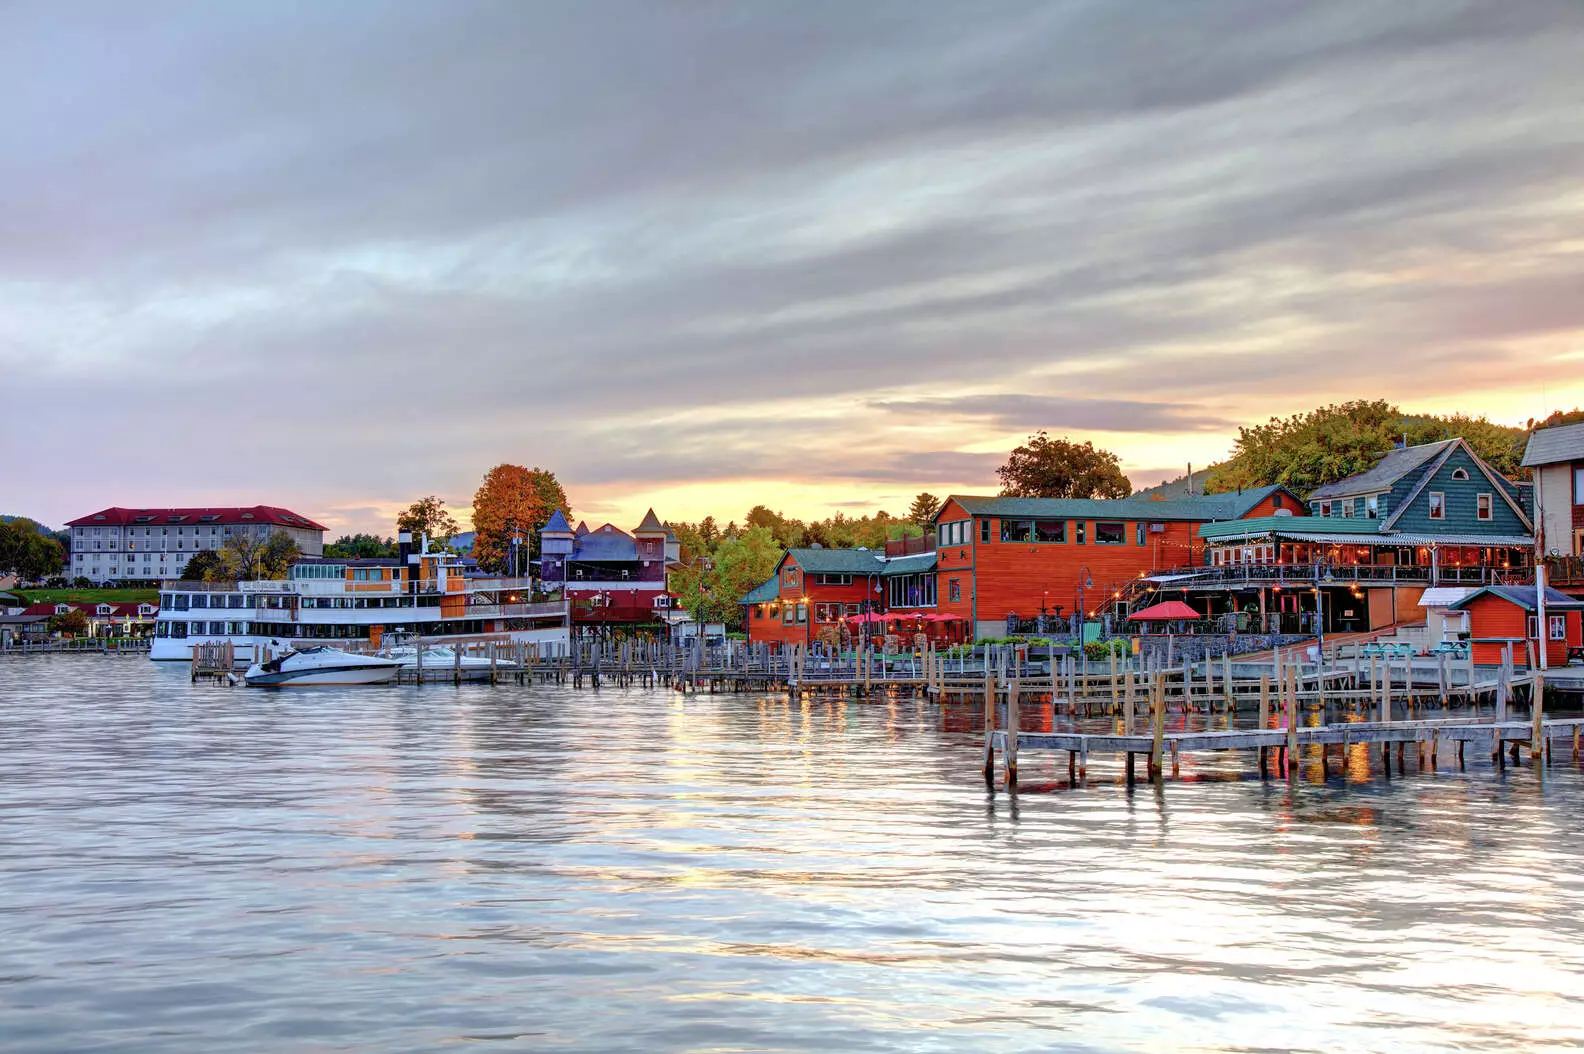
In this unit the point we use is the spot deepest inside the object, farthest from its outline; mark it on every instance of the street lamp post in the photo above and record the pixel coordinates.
(1086, 582)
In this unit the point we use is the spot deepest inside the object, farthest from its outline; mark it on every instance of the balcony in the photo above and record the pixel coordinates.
(1253, 576)
(1565, 570)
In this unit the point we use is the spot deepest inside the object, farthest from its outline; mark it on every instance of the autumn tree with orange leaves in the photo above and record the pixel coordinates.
(514, 500)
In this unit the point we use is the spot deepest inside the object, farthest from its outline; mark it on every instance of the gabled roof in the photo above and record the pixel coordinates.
(837, 561)
(651, 524)
(607, 543)
(762, 593)
(1490, 474)
(1524, 597)
(1547, 446)
(1385, 473)
(1229, 506)
(557, 522)
(115, 516)
(582, 529)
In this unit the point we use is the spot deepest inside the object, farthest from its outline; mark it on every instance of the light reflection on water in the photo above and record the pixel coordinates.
(208, 869)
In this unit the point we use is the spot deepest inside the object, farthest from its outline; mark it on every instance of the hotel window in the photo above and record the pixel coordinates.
(1017, 530)
(954, 589)
(1484, 505)
(1437, 505)
(1107, 533)
(984, 531)
(1050, 530)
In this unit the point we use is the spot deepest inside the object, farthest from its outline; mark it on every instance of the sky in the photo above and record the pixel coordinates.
(815, 255)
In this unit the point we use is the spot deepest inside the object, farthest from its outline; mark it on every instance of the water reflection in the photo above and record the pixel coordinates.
(196, 868)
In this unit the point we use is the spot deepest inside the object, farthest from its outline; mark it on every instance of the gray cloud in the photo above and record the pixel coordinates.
(377, 248)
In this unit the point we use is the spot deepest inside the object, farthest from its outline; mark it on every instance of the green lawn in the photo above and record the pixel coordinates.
(89, 596)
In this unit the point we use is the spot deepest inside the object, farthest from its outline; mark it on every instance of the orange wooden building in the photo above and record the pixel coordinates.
(1029, 556)
(1500, 614)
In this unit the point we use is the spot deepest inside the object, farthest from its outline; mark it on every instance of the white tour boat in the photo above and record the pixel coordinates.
(320, 665)
(363, 604)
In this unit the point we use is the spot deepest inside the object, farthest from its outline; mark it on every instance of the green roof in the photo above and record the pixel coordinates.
(909, 565)
(762, 593)
(1228, 506)
(838, 561)
(1290, 526)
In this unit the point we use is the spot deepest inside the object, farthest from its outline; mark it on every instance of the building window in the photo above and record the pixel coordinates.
(1276, 500)
(1557, 624)
(1081, 528)
(833, 580)
(1373, 505)
(1140, 527)
(1347, 508)
(1460, 473)
(954, 590)
(802, 614)
(1578, 485)
(1017, 530)
(1325, 508)
(1437, 505)
(1050, 531)
(1484, 506)
(1109, 533)
(984, 531)
(758, 610)
(788, 614)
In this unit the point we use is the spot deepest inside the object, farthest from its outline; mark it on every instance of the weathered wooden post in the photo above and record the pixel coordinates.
(1537, 744)
(1115, 684)
(1010, 751)
(1127, 703)
(1157, 732)
(1292, 727)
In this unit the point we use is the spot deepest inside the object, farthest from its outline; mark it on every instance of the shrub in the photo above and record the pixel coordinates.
(1099, 649)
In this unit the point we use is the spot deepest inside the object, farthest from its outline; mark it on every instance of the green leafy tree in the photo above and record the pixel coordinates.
(922, 511)
(205, 566)
(27, 551)
(788, 533)
(245, 558)
(1333, 442)
(72, 623)
(429, 517)
(361, 547)
(1059, 468)
(1559, 417)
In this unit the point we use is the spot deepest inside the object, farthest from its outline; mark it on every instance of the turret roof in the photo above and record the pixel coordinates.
(557, 522)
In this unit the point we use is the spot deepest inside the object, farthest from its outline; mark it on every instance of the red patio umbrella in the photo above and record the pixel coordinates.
(1164, 612)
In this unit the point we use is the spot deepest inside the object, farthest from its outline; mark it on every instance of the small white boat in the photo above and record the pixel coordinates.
(320, 665)
(442, 658)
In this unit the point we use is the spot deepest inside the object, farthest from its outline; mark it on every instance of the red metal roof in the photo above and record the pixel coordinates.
(119, 609)
(116, 516)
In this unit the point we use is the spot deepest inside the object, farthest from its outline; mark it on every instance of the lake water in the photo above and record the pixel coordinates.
(190, 868)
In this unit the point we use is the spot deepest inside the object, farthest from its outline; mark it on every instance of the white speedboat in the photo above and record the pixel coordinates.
(322, 665)
(442, 658)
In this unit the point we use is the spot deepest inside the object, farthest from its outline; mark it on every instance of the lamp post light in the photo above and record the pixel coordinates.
(1086, 582)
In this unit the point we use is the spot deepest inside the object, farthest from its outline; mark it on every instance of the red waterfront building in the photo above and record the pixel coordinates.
(862, 593)
(1500, 615)
(1021, 557)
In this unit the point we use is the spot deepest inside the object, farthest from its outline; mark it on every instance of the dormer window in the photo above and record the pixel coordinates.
(104, 609)
(61, 609)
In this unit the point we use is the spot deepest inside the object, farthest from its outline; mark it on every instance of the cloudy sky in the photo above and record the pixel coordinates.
(697, 255)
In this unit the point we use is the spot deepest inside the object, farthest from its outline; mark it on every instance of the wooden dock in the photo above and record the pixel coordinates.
(1280, 732)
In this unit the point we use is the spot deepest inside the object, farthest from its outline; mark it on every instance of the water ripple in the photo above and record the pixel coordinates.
(192, 868)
